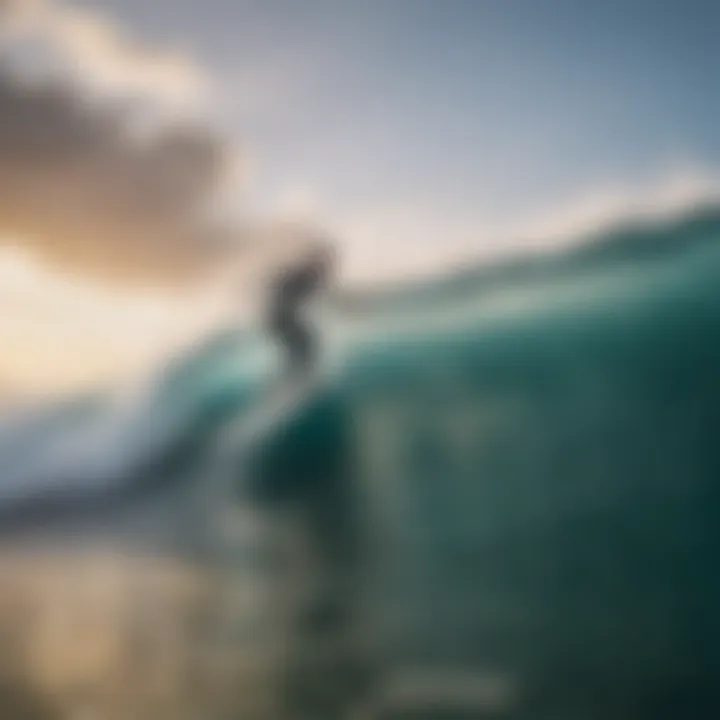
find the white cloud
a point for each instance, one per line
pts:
(109, 160)
(98, 53)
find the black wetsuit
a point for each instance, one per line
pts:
(290, 291)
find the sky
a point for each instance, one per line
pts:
(422, 123)
(418, 133)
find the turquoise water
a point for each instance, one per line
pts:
(511, 473)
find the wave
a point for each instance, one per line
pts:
(102, 443)
(132, 436)
(627, 240)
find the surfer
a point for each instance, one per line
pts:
(290, 292)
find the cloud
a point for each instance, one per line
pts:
(79, 183)
(99, 54)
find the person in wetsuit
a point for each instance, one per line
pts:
(290, 292)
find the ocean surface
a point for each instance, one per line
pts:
(210, 480)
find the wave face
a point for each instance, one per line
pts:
(100, 437)
(200, 520)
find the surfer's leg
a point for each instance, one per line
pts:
(302, 349)
(295, 341)
(297, 338)
(281, 331)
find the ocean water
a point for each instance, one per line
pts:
(498, 498)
